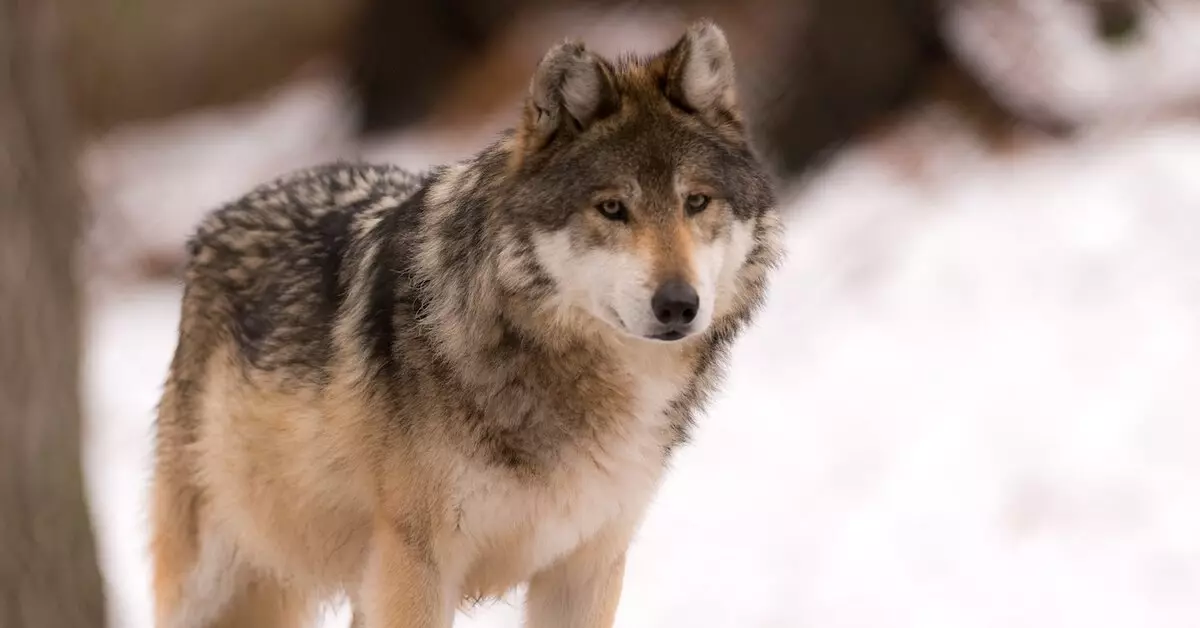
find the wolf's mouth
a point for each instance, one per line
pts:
(669, 335)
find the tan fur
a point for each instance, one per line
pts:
(268, 473)
(402, 411)
(669, 248)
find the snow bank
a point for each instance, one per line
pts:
(971, 402)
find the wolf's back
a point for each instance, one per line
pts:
(266, 270)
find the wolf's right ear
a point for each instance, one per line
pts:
(571, 89)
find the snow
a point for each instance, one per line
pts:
(1044, 55)
(970, 403)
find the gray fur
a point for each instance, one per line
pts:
(415, 310)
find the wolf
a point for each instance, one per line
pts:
(421, 390)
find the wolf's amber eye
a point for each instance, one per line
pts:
(613, 209)
(696, 203)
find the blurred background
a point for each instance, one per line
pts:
(974, 398)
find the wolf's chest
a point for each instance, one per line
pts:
(512, 525)
(516, 526)
(520, 528)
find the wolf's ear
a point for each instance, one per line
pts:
(571, 89)
(700, 74)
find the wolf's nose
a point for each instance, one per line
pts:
(675, 303)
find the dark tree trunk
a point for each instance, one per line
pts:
(48, 572)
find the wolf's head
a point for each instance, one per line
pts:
(638, 182)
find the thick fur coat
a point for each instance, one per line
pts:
(420, 390)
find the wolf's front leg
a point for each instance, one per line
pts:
(583, 589)
(402, 586)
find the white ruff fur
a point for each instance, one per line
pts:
(609, 484)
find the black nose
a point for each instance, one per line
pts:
(675, 303)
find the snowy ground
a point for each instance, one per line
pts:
(971, 403)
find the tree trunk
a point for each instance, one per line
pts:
(48, 572)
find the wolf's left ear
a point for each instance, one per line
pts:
(700, 74)
(571, 89)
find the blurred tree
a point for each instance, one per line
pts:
(135, 60)
(48, 572)
(1117, 21)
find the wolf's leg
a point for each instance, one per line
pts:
(193, 575)
(261, 602)
(402, 586)
(583, 589)
(200, 582)
(199, 579)
(174, 546)
(195, 571)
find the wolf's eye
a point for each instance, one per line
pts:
(613, 209)
(696, 203)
